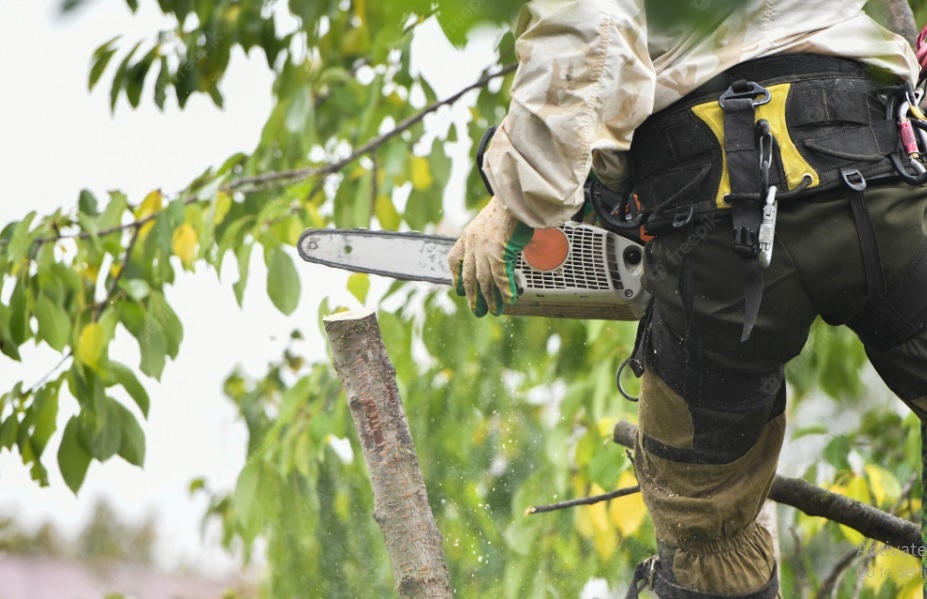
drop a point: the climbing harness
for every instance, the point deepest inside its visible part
(776, 129)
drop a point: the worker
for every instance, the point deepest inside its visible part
(774, 148)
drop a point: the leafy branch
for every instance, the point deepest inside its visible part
(284, 178)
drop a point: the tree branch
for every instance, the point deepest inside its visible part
(285, 177)
(401, 507)
(281, 178)
(814, 501)
(540, 509)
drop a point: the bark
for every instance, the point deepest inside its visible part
(895, 15)
(400, 500)
(815, 501)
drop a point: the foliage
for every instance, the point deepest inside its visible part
(515, 412)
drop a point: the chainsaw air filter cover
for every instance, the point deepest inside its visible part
(596, 275)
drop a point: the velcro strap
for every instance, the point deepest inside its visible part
(861, 144)
(817, 104)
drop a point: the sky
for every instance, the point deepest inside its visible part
(56, 139)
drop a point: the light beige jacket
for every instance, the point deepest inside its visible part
(590, 72)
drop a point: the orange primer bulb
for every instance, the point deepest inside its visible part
(547, 250)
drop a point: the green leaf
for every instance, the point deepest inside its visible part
(102, 429)
(359, 286)
(132, 448)
(137, 289)
(814, 429)
(119, 79)
(54, 323)
(283, 284)
(21, 240)
(124, 376)
(20, 328)
(243, 253)
(87, 203)
(605, 466)
(837, 451)
(152, 341)
(247, 507)
(44, 412)
(9, 431)
(73, 460)
(101, 58)
(170, 323)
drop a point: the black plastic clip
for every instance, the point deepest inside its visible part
(746, 89)
(853, 179)
(745, 242)
(683, 216)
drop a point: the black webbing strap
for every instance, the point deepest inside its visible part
(868, 243)
(900, 314)
(745, 198)
(647, 575)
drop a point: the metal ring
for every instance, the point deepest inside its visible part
(621, 368)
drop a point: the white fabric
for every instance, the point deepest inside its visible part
(590, 72)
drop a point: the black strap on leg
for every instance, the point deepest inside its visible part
(739, 104)
(647, 575)
(868, 243)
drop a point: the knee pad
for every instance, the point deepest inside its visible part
(729, 409)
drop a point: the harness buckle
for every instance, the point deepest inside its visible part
(853, 179)
(746, 89)
(745, 242)
(682, 216)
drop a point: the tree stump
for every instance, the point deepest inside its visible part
(400, 500)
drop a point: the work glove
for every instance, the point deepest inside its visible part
(482, 262)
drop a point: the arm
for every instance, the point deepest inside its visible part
(584, 82)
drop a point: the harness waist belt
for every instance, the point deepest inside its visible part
(826, 114)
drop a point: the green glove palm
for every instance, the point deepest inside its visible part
(482, 262)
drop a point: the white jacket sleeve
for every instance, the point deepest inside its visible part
(585, 81)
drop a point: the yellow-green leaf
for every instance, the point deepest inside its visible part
(421, 173)
(386, 213)
(359, 286)
(627, 513)
(90, 345)
(185, 241)
(152, 204)
(221, 207)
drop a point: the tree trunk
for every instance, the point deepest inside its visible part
(400, 500)
(895, 15)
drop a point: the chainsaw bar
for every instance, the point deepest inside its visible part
(403, 256)
(599, 278)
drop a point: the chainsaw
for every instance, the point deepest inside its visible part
(571, 271)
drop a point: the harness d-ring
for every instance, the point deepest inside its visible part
(636, 367)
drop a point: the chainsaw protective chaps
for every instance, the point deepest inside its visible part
(712, 409)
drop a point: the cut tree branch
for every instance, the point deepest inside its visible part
(401, 507)
(815, 501)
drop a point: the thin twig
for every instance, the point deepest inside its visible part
(67, 355)
(113, 286)
(540, 509)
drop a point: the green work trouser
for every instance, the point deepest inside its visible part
(712, 407)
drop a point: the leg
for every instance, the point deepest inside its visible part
(705, 464)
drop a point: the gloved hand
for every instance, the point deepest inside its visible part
(482, 262)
